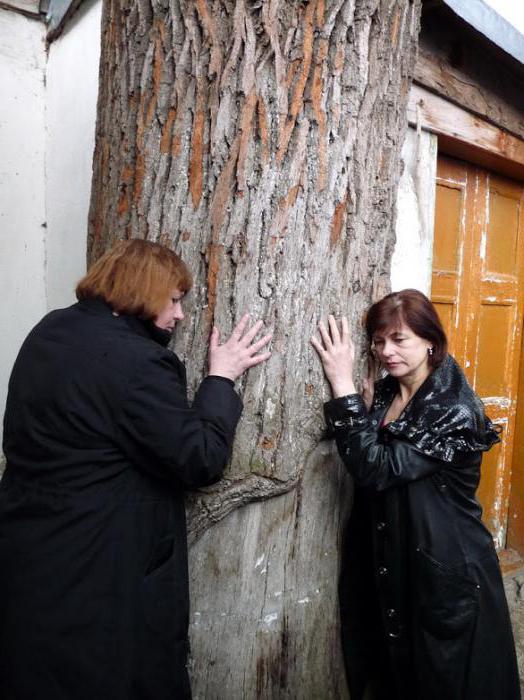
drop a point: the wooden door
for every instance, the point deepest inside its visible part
(478, 289)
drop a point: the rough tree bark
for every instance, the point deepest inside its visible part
(261, 138)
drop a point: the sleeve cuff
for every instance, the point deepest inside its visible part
(222, 379)
(345, 412)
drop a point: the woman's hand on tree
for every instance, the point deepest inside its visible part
(337, 354)
(239, 352)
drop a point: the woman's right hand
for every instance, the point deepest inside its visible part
(239, 352)
(337, 354)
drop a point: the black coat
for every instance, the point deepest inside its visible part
(423, 610)
(100, 444)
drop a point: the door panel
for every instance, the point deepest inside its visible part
(477, 287)
(447, 244)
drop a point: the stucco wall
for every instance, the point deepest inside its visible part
(72, 89)
(47, 130)
(22, 194)
(412, 258)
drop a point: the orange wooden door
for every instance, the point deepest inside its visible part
(478, 289)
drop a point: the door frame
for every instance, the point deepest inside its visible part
(468, 137)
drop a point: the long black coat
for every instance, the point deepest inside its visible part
(423, 611)
(100, 444)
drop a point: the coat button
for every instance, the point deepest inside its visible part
(382, 570)
(395, 634)
(381, 526)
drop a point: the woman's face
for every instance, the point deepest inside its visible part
(403, 353)
(171, 313)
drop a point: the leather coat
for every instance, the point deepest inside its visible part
(423, 610)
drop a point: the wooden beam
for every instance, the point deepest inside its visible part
(501, 107)
(465, 135)
(26, 7)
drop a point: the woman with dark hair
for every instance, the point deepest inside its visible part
(101, 444)
(423, 611)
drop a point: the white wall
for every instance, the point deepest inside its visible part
(412, 258)
(22, 195)
(72, 89)
(47, 129)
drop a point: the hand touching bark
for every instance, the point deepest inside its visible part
(337, 354)
(239, 352)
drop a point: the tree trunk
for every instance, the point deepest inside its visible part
(261, 139)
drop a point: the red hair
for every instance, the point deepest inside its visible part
(416, 311)
(136, 277)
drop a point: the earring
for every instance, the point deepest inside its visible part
(431, 350)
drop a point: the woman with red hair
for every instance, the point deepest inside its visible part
(423, 611)
(101, 444)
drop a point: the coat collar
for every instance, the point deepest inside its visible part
(147, 329)
(443, 417)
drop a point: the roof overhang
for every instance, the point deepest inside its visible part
(31, 8)
(485, 20)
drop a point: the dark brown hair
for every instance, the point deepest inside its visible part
(415, 310)
(136, 277)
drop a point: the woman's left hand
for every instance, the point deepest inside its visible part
(337, 354)
(239, 352)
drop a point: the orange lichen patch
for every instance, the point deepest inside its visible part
(215, 63)
(127, 174)
(158, 57)
(139, 164)
(338, 63)
(267, 443)
(279, 224)
(337, 222)
(151, 107)
(165, 138)
(394, 28)
(96, 229)
(160, 25)
(140, 168)
(222, 194)
(291, 72)
(263, 130)
(105, 156)
(321, 6)
(123, 201)
(246, 127)
(158, 64)
(175, 148)
(289, 199)
(298, 93)
(214, 255)
(140, 122)
(316, 98)
(195, 164)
